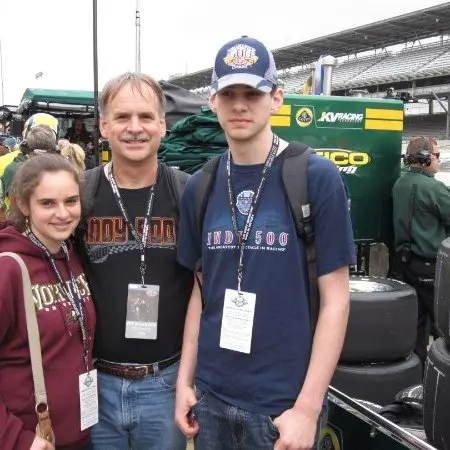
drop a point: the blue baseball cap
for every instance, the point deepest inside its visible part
(244, 61)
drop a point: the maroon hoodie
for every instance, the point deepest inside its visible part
(61, 346)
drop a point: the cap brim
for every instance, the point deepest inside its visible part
(246, 79)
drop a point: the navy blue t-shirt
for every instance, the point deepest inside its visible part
(269, 379)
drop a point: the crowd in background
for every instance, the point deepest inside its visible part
(41, 134)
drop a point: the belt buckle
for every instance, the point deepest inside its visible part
(143, 367)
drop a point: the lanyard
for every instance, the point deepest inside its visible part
(142, 241)
(74, 296)
(242, 239)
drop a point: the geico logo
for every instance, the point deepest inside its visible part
(345, 158)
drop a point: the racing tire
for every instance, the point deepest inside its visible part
(382, 322)
(377, 382)
(437, 394)
(442, 291)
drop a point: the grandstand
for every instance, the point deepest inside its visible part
(369, 71)
(409, 53)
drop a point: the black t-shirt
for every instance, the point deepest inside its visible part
(114, 259)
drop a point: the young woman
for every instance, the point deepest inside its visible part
(45, 210)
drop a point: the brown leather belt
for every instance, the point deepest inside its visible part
(134, 372)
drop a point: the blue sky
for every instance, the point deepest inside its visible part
(55, 36)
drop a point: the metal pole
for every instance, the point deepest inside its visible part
(1, 73)
(95, 52)
(138, 37)
(447, 111)
(447, 130)
(378, 423)
(439, 101)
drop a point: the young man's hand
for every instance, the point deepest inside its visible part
(185, 400)
(297, 427)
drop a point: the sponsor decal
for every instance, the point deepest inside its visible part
(282, 118)
(240, 56)
(384, 119)
(347, 161)
(341, 117)
(304, 117)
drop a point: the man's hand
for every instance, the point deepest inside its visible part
(41, 444)
(185, 400)
(297, 427)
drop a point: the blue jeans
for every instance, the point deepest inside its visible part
(226, 427)
(138, 414)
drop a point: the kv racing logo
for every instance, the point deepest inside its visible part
(347, 161)
(339, 117)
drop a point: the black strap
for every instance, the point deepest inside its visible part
(90, 182)
(141, 241)
(205, 180)
(254, 204)
(73, 296)
(295, 180)
(177, 183)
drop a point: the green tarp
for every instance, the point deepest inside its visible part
(85, 98)
(192, 141)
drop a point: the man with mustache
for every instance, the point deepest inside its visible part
(129, 241)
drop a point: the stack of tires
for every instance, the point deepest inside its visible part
(377, 360)
(437, 370)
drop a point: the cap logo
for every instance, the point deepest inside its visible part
(240, 56)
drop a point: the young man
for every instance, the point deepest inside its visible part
(130, 243)
(260, 375)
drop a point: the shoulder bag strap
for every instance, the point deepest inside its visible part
(44, 427)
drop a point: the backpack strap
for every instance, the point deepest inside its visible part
(90, 180)
(90, 183)
(177, 181)
(205, 180)
(295, 180)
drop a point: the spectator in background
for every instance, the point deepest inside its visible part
(90, 155)
(33, 121)
(77, 134)
(421, 214)
(62, 143)
(40, 139)
(3, 150)
(75, 154)
(10, 143)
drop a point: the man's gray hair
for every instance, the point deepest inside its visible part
(137, 81)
